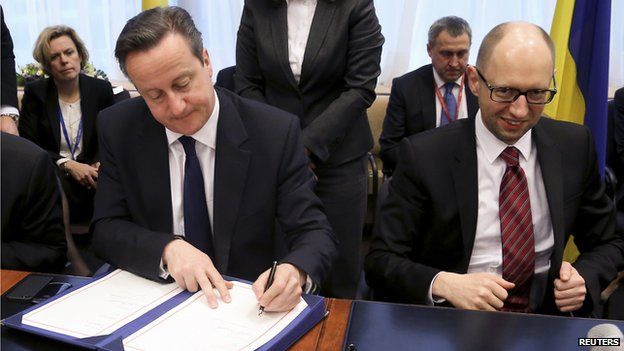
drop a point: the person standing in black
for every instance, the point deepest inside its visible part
(320, 61)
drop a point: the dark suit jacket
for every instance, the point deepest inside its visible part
(338, 76)
(411, 110)
(225, 78)
(261, 175)
(9, 83)
(33, 236)
(428, 222)
(39, 119)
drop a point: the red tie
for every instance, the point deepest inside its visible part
(516, 232)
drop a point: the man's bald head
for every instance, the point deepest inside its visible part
(513, 32)
(514, 57)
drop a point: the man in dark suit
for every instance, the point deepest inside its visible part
(418, 98)
(192, 182)
(320, 60)
(33, 236)
(479, 211)
(9, 113)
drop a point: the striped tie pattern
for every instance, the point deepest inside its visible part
(516, 232)
(451, 104)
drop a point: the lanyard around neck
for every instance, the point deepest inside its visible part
(443, 104)
(72, 147)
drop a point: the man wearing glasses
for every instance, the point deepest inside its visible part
(479, 212)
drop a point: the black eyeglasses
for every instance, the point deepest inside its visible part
(509, 95)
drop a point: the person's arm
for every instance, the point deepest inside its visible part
(33, 109)
(389, 268)
(601, 247)
(360, 79)
(248, 78)
(41, 245)
(116, 238)
(312, 247)
(128, 245)
(394, 126)
(7, 70)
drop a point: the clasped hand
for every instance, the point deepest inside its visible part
(83, 173)
(193, 270)
(486, 291)
(472, 291)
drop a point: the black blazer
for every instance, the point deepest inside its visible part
(39, 120)
(338, 76)
(428, 222)
(411, 110)
(7, 70)
(33, 236)
(261, 175)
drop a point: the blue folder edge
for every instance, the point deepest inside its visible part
(307, 319)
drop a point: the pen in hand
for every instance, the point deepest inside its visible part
(268, 284)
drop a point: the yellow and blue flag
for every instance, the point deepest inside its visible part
(580, 30)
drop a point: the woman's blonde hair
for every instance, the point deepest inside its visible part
(41, 51)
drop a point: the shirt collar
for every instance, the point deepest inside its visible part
(492, 146)
(440, 83)
(207, 134)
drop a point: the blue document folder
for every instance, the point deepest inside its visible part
(388, 326)
(313, 313)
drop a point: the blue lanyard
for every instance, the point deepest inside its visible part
(72, 148)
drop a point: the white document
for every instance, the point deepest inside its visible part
(101, 307)
(193, 325)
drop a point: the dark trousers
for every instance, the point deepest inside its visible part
(343, 190)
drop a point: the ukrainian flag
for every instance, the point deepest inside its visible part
(580, 30)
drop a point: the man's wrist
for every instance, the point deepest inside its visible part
(13, 116)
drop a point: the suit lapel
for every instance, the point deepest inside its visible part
(428, 100)
(323, 16)
(549, 158)
(152, 166)
(89, 107)
(53, 111)
(279, 30)
(230, 177)
(466, 186)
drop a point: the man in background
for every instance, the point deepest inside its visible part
(433, 95)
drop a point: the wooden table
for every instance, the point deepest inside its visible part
(9, 278)
(325, 336)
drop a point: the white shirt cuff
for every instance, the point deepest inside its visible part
(162, 270)
(62, 160)
(8, 110)
(430, 300)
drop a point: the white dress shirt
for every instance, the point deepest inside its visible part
(463, 109)
(72, 114)
(487, 252)
(205, 146)
(300, 14)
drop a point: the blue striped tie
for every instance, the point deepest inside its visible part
(450, 102)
